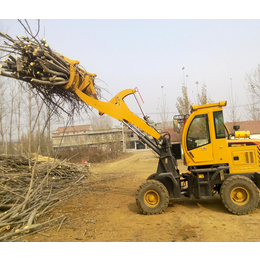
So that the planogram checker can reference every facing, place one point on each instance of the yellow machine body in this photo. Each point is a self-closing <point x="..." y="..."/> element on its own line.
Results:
<point x="206" y="141"/>
<point x="217" y="160"/>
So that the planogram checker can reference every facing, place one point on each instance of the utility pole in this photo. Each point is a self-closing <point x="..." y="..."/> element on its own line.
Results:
<point x="197" y="83"/>
<point x="123" y="135"/>
<point x="183" y="83"/>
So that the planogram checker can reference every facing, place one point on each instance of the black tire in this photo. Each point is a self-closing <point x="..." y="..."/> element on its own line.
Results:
<point x="239" y="195"/>
<point x="152" y="197"/>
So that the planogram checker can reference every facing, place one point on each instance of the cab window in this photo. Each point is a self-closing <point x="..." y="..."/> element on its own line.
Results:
<point x="198" y="133"/>
<point x="220" y="129"/>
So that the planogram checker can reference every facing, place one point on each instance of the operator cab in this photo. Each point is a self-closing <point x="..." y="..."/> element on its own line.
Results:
<point x="205" y="136"/>
<point x="206" y="141"/>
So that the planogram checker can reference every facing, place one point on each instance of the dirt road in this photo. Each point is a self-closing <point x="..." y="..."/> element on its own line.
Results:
<point x="108" y="212"/>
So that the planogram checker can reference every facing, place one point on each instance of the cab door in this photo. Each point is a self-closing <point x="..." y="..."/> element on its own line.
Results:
<point x="221" y="154"/>
<point x="198" y="140"/>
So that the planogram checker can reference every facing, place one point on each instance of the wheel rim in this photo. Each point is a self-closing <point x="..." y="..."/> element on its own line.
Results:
<point x="240" y="196"/>
<point x="151" y="198"/>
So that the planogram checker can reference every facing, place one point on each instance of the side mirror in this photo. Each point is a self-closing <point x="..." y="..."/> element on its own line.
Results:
<point x="176" y="126"/>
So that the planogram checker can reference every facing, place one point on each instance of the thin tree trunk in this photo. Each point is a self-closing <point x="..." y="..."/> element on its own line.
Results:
<point x="30" y="127"/>
<point x="38" y="123"/>
<point x="11" y="118"/>
<point x="19" y="120"/>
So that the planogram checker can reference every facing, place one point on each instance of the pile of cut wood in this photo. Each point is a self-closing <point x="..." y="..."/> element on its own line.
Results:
<point x="26" y="195"/>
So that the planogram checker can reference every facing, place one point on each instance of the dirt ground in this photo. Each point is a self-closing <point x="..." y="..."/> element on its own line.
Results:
<point x="107" y="212"/>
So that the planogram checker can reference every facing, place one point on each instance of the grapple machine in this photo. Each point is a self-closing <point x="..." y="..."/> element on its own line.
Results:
<point x="217" y="161"/>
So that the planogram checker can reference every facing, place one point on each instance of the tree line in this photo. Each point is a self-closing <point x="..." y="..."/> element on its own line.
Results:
<point x="25" y="120"/>
<point x="252" y="110"/>
<point x="184" y="103"/>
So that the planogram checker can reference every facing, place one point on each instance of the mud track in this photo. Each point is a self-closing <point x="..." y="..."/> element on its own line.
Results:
<point x="107" y="211"/>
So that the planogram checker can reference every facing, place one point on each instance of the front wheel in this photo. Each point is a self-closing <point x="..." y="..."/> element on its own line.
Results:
<point x="239" y="195"/>
<point x="152" y="197"/>
<point x="151" y="177"/>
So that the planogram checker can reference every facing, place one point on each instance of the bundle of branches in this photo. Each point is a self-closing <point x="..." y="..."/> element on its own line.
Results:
<point x="25" y="197"/>
<point x="49" y="73"/>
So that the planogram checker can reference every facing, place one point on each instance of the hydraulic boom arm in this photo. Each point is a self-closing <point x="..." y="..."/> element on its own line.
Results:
<point x="81" y="82"/>
<point x="117" y="109"/>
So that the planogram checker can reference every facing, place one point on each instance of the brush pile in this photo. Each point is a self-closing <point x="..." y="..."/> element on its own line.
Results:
<point x="49" y="73"/>
<point x="27" y="195"/>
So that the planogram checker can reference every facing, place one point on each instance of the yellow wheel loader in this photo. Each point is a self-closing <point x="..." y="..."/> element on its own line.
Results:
<point x="217" y="161"/>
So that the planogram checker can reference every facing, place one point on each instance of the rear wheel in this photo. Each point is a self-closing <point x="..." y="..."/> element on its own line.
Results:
<point x="239" y="195"/>
<point x="152" y="197"/>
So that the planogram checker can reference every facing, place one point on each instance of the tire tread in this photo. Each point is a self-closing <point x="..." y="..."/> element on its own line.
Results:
<point x="228" y="182"/>
<point x="163" y="204"/>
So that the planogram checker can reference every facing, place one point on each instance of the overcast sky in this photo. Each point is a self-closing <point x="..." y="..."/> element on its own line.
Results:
<point x="150" y="53"/>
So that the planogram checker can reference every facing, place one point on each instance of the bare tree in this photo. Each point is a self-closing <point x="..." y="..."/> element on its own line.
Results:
<point x="19" y="98"/>
<point x="253" y="82"/>
<point x="163" y="110"/>
<point x="253" y="88"/>
<point x="233" y="108"/>
<point x="30" y="124"/>
<point x="2" y="112"/>
<point x="183" y="103"/>
<point x="38" y="120"/>
<point x="253" y="107"/>
<point x="203" y="97"/>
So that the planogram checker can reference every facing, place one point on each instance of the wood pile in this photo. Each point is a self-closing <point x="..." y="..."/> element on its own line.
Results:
<point x="28" y="195"/>
<point x="29" y="192"/>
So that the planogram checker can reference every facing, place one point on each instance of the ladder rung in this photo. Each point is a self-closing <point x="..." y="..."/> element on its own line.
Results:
<point x="204" y="182"/>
